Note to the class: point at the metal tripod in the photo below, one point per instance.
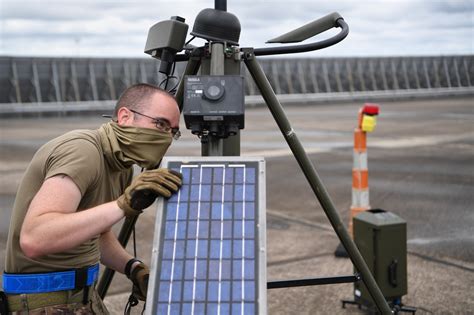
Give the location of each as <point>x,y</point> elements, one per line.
<point>217,58</point>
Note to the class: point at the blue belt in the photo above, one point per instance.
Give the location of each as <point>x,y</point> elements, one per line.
<point>24,283</point>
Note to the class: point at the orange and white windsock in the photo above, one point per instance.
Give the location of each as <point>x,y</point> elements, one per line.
<point>360,172</point>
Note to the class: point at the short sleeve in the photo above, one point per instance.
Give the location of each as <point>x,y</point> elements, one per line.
<point>77,158</point>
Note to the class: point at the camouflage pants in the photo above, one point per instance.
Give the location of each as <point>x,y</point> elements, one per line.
<point>95,306</point>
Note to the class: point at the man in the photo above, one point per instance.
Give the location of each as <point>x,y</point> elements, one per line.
<point>75,189</point>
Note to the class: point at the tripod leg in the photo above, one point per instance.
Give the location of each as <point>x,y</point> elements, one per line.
<point>312,176</point>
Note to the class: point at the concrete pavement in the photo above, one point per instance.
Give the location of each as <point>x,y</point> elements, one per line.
<point>421,167</point>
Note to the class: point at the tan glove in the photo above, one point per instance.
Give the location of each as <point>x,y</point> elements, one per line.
<point>139,277</point>
<point>146,187</point>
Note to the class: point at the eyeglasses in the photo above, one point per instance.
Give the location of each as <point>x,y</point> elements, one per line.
<point>162,124</point>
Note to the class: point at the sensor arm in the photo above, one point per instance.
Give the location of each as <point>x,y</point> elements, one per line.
<point>309,30</point>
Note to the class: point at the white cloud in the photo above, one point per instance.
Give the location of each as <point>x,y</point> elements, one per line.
<point>119,28</point>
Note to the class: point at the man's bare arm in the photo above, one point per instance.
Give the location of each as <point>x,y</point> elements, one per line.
<point>52,224</point>
<point>112,254</point>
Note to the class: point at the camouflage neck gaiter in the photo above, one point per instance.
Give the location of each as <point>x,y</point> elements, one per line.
<point>125,146</point>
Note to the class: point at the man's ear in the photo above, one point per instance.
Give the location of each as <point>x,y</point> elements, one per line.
<point>124,116</point>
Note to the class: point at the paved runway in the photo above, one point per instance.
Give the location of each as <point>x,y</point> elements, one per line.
<point>421,167</point>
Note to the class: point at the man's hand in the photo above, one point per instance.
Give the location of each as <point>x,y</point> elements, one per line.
<point>146,187</point>
<point>139,277</point>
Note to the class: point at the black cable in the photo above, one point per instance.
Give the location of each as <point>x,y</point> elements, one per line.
<point>189,41</point>
<point>134,243</point>
<point>167,79</point>
<point>132,302</point>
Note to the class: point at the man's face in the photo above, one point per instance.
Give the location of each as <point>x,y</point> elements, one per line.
<point>160,107</point>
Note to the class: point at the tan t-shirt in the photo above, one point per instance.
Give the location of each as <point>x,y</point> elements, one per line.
<point>78,154</point>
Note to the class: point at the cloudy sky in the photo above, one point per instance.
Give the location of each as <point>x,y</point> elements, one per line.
<point>105,28</point>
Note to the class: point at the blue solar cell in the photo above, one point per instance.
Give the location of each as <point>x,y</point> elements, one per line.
<point>237,290</point>
<point>249,229</point>
<point>215,229</point>
<point>194,207</point>
<point>237,269</point>
<point>179,250</point>
<point>238,230</point>
<point>168,249</point>
<point>170,214</point>
<point>236,308</point>
<point>171,232</point>
<point>222,211</point>
<point>205,210</point>
<point>224,308</point>
<point>213,291</point>
<point>229,175</point>
<point>165,269</point>
<point>203,229</point>
<point>186,172</point>
<point>183,193</point>
<point>202,248</point>
<point>162,308</point>
<point>187,308</point>
<point>239,192</point>
<point>164,290</point>
<point>250,210</point>
<point>249,272</point>
<point>217,175</point>
<point>250,177</point>
<point>176,291</point>
<point>249,290</point>
<point>249,308</point>
<point>196,175</point>
<point>188,290</point>
<point>249,250</point>
<point>178,269</point>
<point>183,211</point>
<point>189,269</point>
<point>249,192</point>
<point>225,291</point>
<point>215,249</point>
<point>195,193</point>
<point>216,211</point>
<point>239,176</point>
<point>199,308</point>
<point>222,266</point>
<point>192,227</point>
<point>206,177</point>
<point>212,308</point>
<point>227,213</point>
<point>200,291</point>
<point>237,249</point>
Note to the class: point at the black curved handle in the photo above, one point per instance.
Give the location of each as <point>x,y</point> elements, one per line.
<point>307,47</point>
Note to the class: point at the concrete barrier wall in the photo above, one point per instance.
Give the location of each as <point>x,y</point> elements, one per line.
<point>24,80</point>
<point>44,82</point>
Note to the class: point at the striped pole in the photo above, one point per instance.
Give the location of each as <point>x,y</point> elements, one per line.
<point>360,172</point>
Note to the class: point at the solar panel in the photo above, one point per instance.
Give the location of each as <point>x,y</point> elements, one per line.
<point>209,248</point>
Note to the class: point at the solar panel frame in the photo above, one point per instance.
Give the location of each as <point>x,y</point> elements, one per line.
<point>260,239</point>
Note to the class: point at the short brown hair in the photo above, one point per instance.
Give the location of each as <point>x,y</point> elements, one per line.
<point>136,97</point>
